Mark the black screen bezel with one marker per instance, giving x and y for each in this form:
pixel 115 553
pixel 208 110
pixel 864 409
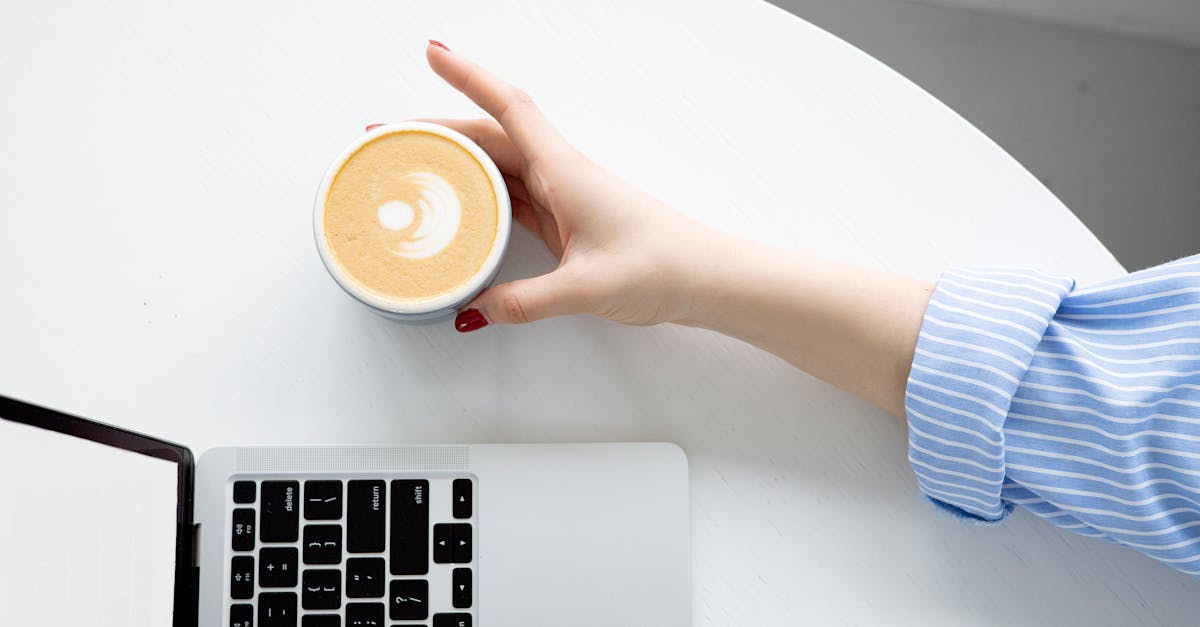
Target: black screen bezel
pixel 186 571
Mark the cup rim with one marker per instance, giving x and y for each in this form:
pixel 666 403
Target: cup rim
pixel 449 299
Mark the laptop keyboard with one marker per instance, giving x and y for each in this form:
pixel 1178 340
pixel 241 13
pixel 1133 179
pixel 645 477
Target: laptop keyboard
pixel 322 552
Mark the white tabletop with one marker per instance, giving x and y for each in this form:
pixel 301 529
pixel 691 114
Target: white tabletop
pixel 157 167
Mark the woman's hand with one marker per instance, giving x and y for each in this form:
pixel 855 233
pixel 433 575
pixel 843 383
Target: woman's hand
pixel 622 254
pixel 626 257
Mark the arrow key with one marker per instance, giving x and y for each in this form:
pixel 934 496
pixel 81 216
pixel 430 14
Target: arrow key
pixel 461 554
pixel 443 543
pixel 462 498
pixel 461 594
pixel 452 543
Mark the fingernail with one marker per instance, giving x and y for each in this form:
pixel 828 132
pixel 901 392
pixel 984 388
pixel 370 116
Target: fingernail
pixel 371 126
pixel 434 42
pixel 469 320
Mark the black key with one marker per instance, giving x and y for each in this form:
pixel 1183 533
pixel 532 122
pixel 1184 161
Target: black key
pixel 364 577
pixel 280 511
pixel 243 492
pixel 241 577
pixel 462 498
pixel 243 529
pixel 443 544
pixel 410 527
pixel 277 609
pixel 323 500
pixel 322 590
pixel 278 567
pixel 462 544
pixel 451 620
pixel 452 543
pixel 323 544
pixel 364 615
pixel 321 620
pixel 241 615
pixel 461 594
pixel 365 516
pixel 409 599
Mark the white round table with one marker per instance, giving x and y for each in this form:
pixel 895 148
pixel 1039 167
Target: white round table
pixel 156 176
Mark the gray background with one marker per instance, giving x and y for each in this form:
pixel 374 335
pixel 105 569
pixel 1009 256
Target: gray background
pixel 1099 100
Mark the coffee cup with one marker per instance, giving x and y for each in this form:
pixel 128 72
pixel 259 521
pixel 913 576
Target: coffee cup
pixel 412 220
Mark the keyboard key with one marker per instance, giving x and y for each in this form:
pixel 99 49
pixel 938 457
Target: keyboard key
pixel 364 577
pixel 323 500
pixel 462 544
pixel 365 516
pixel 241 615
pixel 243 492
pixel 443 544
pixel 452 543
pixel 462 498
pixel 321 620
pixel 410 527
pixel 241 577
pixel 280 511
pixel 322 590
pixel 278 567
pixel 277 609
pixel 409 599
pixel 243 529
pixel 323 544
pixel 460 595
pixel 451 620
pixel 364 615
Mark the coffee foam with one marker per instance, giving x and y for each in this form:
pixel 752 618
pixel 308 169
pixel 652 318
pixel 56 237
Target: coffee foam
pixel 427 229
pixel 410 216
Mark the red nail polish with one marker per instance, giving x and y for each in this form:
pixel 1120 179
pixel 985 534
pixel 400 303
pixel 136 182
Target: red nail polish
pixel 469 320
pixel 371 126
pixel 434 42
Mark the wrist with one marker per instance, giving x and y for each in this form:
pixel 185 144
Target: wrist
pixel 706 274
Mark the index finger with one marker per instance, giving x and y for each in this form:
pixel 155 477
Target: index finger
pixel 491 139
pixel 524 123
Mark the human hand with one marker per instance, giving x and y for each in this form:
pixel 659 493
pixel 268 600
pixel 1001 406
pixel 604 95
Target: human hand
pixel 626 257
pixel 622 254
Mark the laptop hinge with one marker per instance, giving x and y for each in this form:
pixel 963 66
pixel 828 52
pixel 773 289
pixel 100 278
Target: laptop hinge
pixel 187 589
pixel 195 570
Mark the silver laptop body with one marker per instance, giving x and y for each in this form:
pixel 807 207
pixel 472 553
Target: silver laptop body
pixel 438 535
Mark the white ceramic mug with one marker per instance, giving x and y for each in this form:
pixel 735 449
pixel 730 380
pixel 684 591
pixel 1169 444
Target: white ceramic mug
pixel 439 306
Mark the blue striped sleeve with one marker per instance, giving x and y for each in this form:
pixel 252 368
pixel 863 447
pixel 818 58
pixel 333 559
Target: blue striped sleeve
pixel 977 340
pixel 1081 405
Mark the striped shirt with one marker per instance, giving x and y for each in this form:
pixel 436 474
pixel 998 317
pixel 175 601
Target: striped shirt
pixel 1081 405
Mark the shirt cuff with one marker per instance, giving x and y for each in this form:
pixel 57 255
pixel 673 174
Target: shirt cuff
pixel 979 335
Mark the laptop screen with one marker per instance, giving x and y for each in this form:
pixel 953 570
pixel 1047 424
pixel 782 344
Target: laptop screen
pixel 87 531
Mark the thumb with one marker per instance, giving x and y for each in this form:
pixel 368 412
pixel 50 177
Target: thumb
pixel 521 301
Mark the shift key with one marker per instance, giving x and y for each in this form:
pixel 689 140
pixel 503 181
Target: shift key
pixel 410 527
pixel 365 516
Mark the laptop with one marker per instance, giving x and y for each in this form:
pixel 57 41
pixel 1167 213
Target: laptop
pixel 100 526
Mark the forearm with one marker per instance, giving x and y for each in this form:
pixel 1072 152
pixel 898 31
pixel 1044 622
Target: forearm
pixel 853 327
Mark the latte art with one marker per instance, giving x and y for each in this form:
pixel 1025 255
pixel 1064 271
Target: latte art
pixel 411 215
pixel 425 226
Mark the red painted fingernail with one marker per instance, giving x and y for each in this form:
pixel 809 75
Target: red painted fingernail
pixel 469 320
pixel 434 42
pixel 371 126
